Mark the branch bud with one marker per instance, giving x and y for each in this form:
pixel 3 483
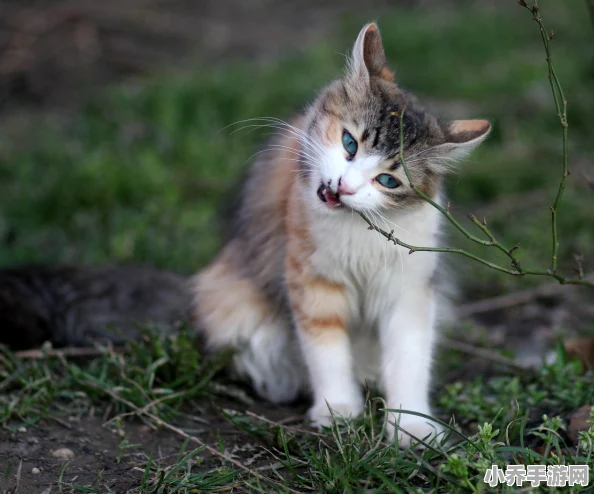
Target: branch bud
pixel 515 247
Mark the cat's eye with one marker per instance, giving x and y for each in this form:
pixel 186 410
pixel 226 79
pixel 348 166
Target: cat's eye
pixel 387 181
pixel 349 143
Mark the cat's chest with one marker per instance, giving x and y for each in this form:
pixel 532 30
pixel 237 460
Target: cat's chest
pixel 346 251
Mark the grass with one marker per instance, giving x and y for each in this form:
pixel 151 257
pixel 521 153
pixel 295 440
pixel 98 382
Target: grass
pixel 516 419
pixel 159 371
pixel 142 172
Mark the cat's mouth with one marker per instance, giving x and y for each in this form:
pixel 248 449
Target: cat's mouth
pixel 328 197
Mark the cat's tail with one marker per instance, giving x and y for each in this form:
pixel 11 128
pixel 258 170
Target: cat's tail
pixel 76 305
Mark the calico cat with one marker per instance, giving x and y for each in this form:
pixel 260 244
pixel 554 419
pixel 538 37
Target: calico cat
pixel 309 298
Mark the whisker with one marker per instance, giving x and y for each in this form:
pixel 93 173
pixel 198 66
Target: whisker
pixel 296 132
pixel 399 227
pixel 280 146
pixel 300 138
pixel 299 131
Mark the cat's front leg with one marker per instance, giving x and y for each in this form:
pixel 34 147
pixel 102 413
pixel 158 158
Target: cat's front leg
pixel 407 338
pixel 320 312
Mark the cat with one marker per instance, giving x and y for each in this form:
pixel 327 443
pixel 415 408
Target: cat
pixel 309 298
pixel 72 306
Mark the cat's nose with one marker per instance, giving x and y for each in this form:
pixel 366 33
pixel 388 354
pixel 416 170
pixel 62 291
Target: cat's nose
pixel 344 189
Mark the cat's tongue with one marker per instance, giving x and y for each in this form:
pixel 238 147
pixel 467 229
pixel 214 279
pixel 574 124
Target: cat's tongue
pixel 328 197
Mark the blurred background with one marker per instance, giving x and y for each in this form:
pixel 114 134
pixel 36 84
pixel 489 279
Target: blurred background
pixel 114 146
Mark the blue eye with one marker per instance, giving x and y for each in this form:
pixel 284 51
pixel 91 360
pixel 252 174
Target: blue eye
pixel 349 143
pixel 387 181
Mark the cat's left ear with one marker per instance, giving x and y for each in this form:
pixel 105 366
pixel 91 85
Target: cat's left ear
pixel 369 58
pixel 462 136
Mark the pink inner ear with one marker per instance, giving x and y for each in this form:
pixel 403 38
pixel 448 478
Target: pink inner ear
pixel 467 130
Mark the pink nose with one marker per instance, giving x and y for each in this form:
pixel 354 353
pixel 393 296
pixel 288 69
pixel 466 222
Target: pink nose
pixel 344 189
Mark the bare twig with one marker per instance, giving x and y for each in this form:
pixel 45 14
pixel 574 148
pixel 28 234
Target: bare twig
pixel 510 300
pixel 145 409
pixel 506 301
pixel 561 105
pixel 485 354
pixel 516 267
pixel 40 354
pixel 54 418
pixel 286 427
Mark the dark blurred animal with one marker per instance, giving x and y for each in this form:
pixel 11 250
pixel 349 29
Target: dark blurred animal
pixel 75 305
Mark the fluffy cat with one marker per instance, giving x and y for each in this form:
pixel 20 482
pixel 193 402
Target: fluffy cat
pixel 309 298
pixel 70 305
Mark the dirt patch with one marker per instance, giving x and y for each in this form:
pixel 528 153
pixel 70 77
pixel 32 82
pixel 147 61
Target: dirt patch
pixel 115 455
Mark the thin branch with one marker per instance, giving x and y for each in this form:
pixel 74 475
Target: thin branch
pixel 284 426
pixel 516 266
pixel 413 248
pixel 561 105
pixel 510 300
pixel 485 354
pixel 40 354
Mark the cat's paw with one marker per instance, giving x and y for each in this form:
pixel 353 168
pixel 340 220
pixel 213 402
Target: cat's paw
pixel 320 415
pixel 412 429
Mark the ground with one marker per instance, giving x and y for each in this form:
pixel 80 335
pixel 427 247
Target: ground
pixel 139 170
pixel 116 457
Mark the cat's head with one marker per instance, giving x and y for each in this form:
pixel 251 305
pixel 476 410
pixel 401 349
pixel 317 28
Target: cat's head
pixel 353 129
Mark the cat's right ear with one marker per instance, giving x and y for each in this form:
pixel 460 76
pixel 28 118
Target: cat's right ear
pixel 369 58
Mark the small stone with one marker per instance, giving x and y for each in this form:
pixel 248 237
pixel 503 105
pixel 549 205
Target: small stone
pixel 22 429
pixel 35 471
pixel 63 454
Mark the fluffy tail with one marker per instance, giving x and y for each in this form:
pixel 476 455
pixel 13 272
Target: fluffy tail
pixel 72 306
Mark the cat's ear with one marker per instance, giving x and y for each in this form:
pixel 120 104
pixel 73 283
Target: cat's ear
pixel 462 136
pixel 368 57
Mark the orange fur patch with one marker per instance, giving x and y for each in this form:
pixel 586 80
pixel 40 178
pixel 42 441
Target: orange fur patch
pixel 332 134
pixel 325 323
pixel 387 74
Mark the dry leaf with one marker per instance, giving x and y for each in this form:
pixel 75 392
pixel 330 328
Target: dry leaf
pixel 581 349
pixel 578 422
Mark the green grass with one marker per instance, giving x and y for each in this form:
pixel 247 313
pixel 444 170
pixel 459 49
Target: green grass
pixel 141 172
pixel 515 418
pixel 163 370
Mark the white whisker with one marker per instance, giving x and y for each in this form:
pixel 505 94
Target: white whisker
pixel 299 137
pixel 296 132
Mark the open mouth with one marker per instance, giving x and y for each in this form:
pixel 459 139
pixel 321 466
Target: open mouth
pixel 328 197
